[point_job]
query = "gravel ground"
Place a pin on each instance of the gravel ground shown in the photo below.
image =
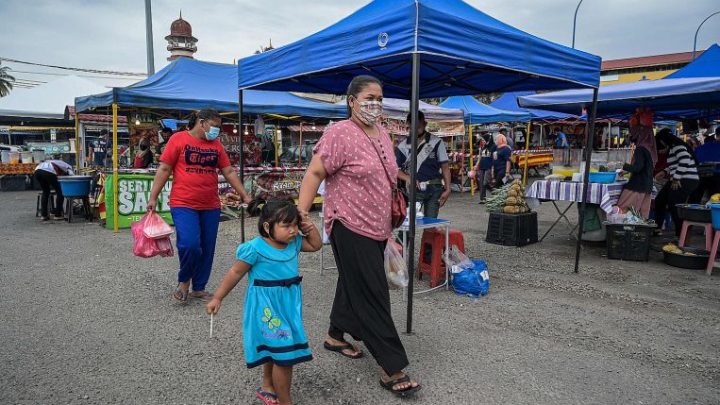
(84, 321)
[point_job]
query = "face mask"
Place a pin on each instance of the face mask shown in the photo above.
(212, 134)
(369, 112)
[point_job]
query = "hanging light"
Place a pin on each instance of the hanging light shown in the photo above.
(137, 122)
(313, 127)
(235, 131)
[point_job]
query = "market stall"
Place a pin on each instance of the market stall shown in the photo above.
(427, 48)
(186, 85)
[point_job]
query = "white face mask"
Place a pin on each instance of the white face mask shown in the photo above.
(369, 111)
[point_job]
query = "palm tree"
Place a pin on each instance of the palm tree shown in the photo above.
(6, 81)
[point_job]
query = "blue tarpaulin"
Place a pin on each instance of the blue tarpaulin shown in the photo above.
(189, 84)
(705, 65)
(479, 113)
(462, 51)
(508, 102)
(670, 98)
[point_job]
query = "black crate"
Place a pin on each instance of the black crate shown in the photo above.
(628, 242)
(13, 182)
(512, 229)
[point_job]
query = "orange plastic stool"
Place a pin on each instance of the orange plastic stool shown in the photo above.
(432, 248)
(708, 233)
(713, 252)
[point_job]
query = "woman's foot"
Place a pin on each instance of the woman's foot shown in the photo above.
(342, 347)
(201, 295)
(399, 384)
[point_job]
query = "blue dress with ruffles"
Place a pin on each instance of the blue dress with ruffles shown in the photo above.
(272, 324)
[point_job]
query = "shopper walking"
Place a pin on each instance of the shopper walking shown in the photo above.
(193, 158)
(355, 158)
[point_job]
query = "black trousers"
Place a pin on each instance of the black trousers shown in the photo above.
(667, 198)
(362, 300)
(49, 180)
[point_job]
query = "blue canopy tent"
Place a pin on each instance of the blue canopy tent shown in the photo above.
(508, 102)
(706, 65)
(479, 113)
(188, 84)
(668, 98)
(420, 49)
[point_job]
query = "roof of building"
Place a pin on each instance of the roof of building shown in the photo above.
(654, 60)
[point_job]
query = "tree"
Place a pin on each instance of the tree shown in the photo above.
(6, 81)
(265, 48)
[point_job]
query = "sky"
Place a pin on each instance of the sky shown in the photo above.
(110, 34)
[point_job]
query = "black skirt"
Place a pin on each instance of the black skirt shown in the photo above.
(362, 300)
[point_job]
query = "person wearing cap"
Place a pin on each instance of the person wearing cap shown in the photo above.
(433, 171)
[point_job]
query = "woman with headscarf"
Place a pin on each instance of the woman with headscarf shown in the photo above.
(637, 192)
(501, 161)
(682, 176)
(144, 156)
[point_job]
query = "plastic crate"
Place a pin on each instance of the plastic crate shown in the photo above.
(512, 229)
(12, 183)
(628, 242)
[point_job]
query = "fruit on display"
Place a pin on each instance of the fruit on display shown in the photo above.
(675, 249)
(509, 199)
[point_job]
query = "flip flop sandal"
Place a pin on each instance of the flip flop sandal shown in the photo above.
(400, 393)
(181, 295)
(201, 295)
(340, 348)
(267, 397)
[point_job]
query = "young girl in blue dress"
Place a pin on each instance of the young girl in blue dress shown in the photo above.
(273, 334)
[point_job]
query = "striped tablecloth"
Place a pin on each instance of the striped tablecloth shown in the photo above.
(604, 195)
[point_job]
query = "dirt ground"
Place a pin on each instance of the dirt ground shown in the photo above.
(86, 322)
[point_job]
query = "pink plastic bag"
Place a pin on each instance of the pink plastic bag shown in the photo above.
(154, 226)
(147, 247)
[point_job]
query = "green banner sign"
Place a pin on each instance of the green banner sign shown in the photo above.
(133, 196)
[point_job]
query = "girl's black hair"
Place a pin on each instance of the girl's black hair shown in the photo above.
(357, 85)
(274, 212)
(204, 114)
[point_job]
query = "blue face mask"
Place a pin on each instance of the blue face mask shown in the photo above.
(212, 134)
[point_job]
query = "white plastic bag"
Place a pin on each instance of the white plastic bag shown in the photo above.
(395, 267)
(456, 258)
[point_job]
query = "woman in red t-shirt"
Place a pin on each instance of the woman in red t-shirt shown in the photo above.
(193, 158)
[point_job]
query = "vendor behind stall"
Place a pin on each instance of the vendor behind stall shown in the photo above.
(682, 176)
(144, 156)
(47, 174)
(708, 156)
(637, 192)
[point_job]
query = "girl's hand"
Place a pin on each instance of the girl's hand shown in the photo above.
(675, 185)
(213, 306)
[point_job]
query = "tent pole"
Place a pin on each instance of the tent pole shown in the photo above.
(241, 131)
(78, 165)
(115, 166)
(414, 98)
(527, 152)
(590, 128)
(472, 183)
(300, 147)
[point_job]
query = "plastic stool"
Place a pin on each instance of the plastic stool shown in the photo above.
(708, 233)
(69, 208)
(51, 204)
(432, 248)
(713, 252)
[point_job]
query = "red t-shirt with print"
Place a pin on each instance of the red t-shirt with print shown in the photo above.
(195, 165)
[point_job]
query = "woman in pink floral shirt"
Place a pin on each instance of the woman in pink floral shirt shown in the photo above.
(353, 157)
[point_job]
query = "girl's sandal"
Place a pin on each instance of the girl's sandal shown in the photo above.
(267, 397)
(181, 295)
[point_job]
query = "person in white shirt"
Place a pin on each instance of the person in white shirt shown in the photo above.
(47, 174)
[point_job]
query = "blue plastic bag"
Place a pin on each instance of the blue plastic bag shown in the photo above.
(473, 281)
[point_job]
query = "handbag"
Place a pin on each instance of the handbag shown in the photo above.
(398, 205)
